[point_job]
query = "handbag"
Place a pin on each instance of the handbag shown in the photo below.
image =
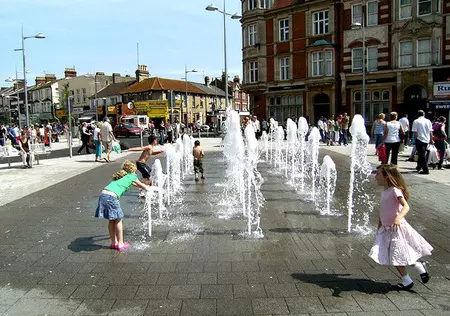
(401, 133)
(116, 147)
(382, 154)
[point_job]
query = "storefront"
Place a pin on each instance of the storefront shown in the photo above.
(156, 110)
(285, 102)
(440, 105)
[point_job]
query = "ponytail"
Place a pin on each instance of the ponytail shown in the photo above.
(127, 167)
(119, 174)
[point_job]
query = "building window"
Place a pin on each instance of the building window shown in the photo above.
(372, 58)
(253, 71)
(424, 54)
(286, 107)
(357, 14)
(265, 4)
(252, 34)
(284, 30)
(405, 9)
(284, 68)
(438, 51)
(320, 22)
(406, 54)
(322, 63)
(438, 6)
(84, 94)
(252, 4)
(423, 7)
(372, 13)
(373, 104)
(357, 59)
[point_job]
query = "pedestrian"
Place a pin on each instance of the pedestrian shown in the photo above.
(378, 131)
(391, 138)
(405, 124)
(344, 126)
(321, 126)
(423, 133)
(109, 205)
(198, 156)
(3, 133)
(439, 137)
(147, 152)
(85, 135)
(25, 150)
(107, 136)
(161, 132)
(330, 128)
(98, 141)
(42, 134)
(33, 133)
(397, 243)
(257, 125)
(169, 129)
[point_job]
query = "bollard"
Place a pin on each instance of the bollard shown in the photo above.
(142, 140)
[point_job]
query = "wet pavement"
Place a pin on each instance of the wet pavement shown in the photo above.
(55, 257)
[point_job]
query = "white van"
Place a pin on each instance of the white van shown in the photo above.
(140, 121)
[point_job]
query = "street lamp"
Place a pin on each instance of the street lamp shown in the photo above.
(186, 96)
(234, 17)
(38, 36)
(70, 125)
(360, 26)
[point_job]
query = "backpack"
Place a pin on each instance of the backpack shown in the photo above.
(437, 130)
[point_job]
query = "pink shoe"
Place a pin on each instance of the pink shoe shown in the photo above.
(114, 246)
(125, 245)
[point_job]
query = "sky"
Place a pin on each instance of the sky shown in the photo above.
(101, 35)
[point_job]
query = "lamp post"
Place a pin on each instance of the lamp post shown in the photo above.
(38, 36)
(186, 96)
(234, 17)
(360, 26)
(70, 125)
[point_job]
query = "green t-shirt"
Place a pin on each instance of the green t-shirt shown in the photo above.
(122, 185)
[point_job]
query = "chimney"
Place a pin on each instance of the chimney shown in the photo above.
(50, 78)
(70, 73)
(40, 80)
(116, 77)
(142, 73)
(207, 81)
(99, 73)
(236, 79)
(18, 85)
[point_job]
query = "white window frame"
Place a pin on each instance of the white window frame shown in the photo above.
(324, 22)
(251, 29)
(253, 71)
(353, 59)
(252, 4)
(284, 63)
(424, 1)
(430, 52)
(358, 19)
(322, 63)
(369, 58)
(400, 6)
(283, 34)
(438, 6)
(265, 4)
(438, 50)
(400, 54)
(368, 14)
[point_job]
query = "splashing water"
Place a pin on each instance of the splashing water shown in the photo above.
(327, 186)
(291, 150)
(158, 180)
(301, 132)
(265, 145)
(188, 158)
(279, 137)
(313, 143)
(173, 172)
(359, 202)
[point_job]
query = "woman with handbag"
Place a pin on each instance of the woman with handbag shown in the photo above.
(378, 131)
(439, 137)
(391, 138)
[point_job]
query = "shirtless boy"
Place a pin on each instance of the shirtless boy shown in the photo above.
(198, 155)
(147, 151)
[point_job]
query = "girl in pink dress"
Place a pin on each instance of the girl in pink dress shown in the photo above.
(397, 243)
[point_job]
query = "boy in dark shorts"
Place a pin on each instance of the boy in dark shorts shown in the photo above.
(198, 155)
(147, 151)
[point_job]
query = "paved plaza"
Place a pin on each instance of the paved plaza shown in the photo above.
(56, 261)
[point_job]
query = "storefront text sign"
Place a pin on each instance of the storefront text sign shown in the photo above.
(442, 89)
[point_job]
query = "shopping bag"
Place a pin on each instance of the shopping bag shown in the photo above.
(116, 147)
(382, 154)
(433, 157)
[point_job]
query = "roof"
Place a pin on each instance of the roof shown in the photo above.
(321, 42)
(282, 3)
(161, 84)
(41, 86)
(114, 89)
(210, 90)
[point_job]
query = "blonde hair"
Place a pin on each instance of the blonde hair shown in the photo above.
(381, 116)
(127, 167)
(394, 179)
(393, 116)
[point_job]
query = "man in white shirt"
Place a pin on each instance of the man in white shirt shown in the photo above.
(107, 138)
(404, 122)
(321, 126)
(257, 126)
(423, 132)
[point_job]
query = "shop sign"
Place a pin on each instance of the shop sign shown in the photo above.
(100, 110)
(441, 89)
(143, 105)
(111, 109)
(60, 113)
(77, 111)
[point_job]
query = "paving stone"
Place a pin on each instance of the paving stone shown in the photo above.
(163, 307)
(405, 302)
(261, 277)
(281, 290)
(172, 278)
(107, 267)
(128, 307)
(232, 278)
(202, 278)
(179, 257)
(269, 306)
(89, 291)
(154, 257)
(217, 267)
(373, 302)
(43, 291)
(249, 291)
(94, 307)
(189, 267)
(56, 278)
(152, 292)
(368, 313)
(234, 307)
(62, 307)
(309, 289)
(217, 291)
(244, 266)
(230, 256)
(143, 278)
(119, 278)
(120, 292)
(184, 291)
(162, 267)
(137, 267)
(304, 305)
(29, 306)
(334, 304)
(272, 265)
(198, 307)
(405, 313)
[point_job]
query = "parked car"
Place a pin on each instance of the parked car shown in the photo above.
(127, 129)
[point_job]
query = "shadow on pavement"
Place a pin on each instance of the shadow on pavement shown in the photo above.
(339, 283)
(87, 244)
(308, 230)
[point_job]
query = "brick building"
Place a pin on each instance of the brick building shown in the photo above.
(304, 57)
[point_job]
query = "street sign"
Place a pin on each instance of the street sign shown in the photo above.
(77, 111)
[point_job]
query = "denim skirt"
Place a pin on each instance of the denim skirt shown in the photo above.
(108, 207)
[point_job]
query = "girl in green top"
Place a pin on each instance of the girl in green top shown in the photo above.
(109, 206)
